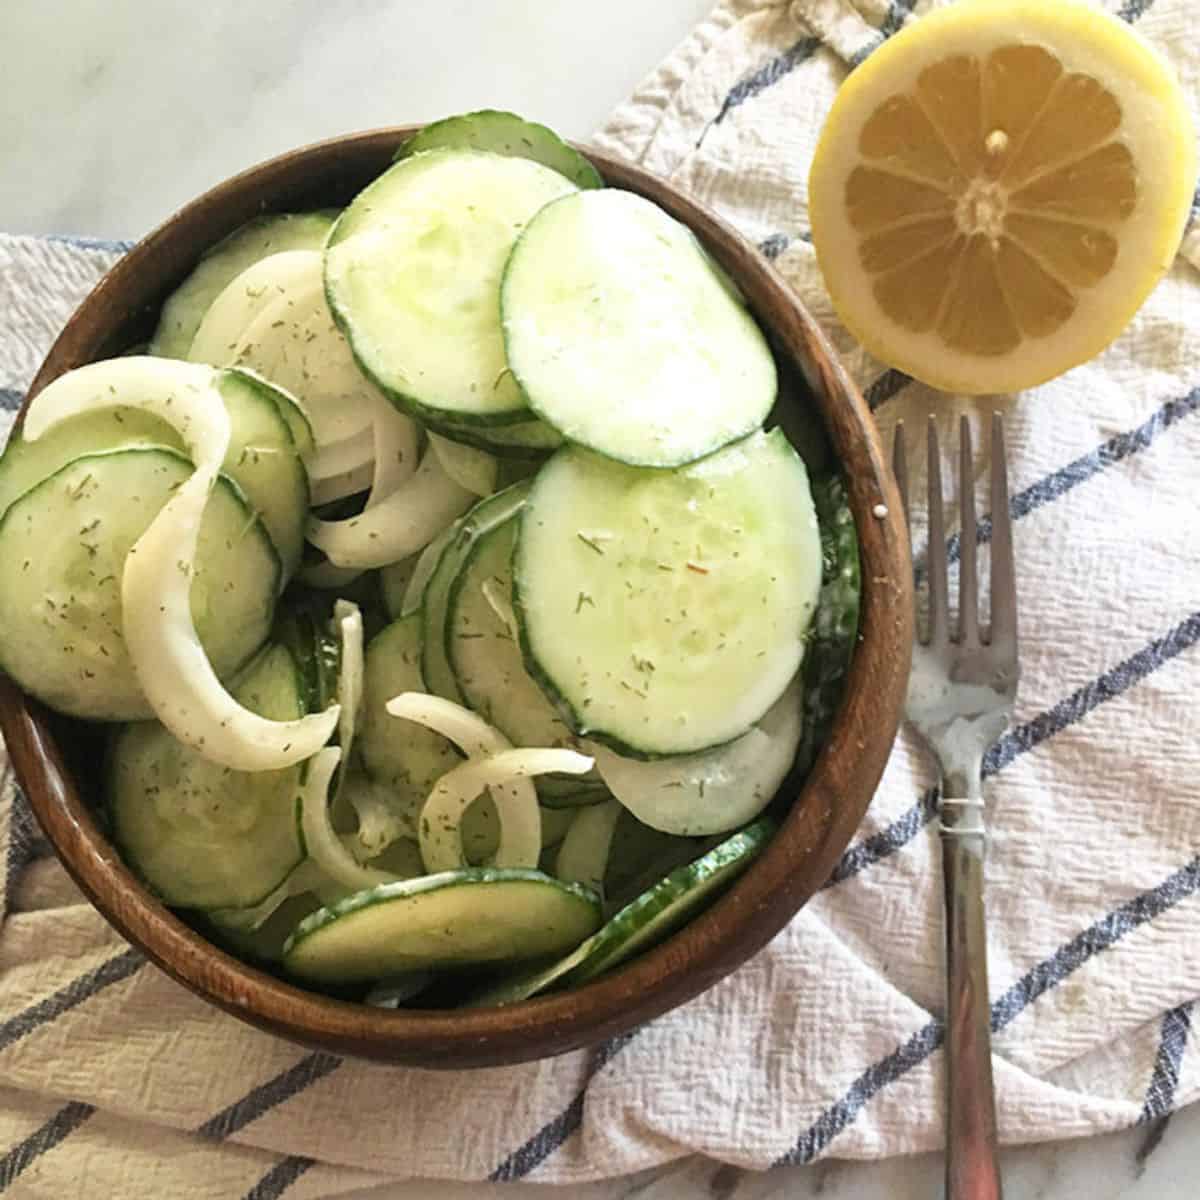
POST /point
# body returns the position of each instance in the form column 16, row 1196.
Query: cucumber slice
column 65, row 543
column 641, row 856
column 504, row 133
column 484, row 654
column 265, row 463
column 406, row 758
column 435, row 602
column 316, row 651
column 262, row 457
column 468, row 466
column 185, row 307
column 423, row 569
column 322, row 576
column 569, row 794
column 693, row 795
column 521, row 440
column 198, row 834
column 170, row 662
column 24, row 464
column 394, row 580
column 835, row 627
column 452, row 919
column 625, row 339
column 642, row 923
column 584, row 854
column 555, row 823
column 667, row 610
column 483, row 651
column 297, row 420
column 412, row 270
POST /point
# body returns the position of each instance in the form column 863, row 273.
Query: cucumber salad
column 453, row 608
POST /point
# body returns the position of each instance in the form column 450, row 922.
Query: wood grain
column 820, row 822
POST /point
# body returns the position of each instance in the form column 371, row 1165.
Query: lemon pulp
column 997, row 190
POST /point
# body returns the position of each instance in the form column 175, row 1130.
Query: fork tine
column 900, row 467
column 939, row 605
column 968, row 581
column 1004, row 573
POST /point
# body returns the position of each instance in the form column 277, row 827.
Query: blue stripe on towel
column 23, row 836
column 1173, row 1041
column 280, row 1177
column 111, row 971
column 1160, row 1094
column 555, row 1132
column 46, row 1137
column 108, row 245
column 266, row 1096
column 1047, row 974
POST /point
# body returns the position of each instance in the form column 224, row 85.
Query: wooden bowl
column 62, row 786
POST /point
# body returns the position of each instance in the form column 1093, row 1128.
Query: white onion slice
column 395, row 438
column 717, row 790
column 467, row 730
column 520, row 845
column 329, row 488
column 394, row 461
column 334, row 854
column 340, row 469
column 170, row 664
column 469, row 467
column 329, row 851
column 405, row 522
column 244, row 299
column 349, row 622
column 379, row 822
column 324, row 846
column 158, row 382
column 498, row 601
column 380, row 457
column 295, row 342
column 398, row 990
column 583, row 855
column 307, row 877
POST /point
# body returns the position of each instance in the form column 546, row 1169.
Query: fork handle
column 972, row 1172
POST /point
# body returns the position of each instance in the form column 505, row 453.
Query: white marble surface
column 113, row 114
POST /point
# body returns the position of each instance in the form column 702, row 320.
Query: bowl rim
column 798, row 860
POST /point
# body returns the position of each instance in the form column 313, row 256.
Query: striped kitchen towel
column 829, row 1041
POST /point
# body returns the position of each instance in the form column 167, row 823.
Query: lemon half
column 997, row 189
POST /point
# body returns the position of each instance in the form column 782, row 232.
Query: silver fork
column 960, row 699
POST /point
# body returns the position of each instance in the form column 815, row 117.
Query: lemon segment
column 998, row 188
